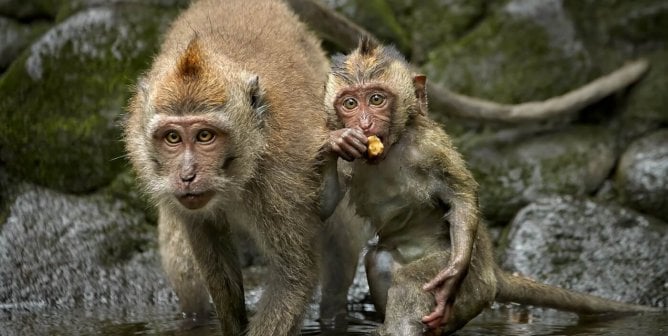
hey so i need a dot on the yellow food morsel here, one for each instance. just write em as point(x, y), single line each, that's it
point(375, 147)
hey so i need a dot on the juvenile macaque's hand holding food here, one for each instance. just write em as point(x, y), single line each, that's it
point(375, 147)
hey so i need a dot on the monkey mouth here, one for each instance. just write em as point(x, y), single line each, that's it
point(194, 201)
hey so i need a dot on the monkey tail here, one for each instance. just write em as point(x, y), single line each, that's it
point(522, 290)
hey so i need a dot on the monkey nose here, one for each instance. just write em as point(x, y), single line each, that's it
point(366, 125)
point(188, 177)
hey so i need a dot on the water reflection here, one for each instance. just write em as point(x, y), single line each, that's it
point(511, 321)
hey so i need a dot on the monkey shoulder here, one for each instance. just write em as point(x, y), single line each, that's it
point(438, 159)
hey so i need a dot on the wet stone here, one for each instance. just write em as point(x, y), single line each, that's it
point(642, 175)
point(71, 251)
point(605, 250)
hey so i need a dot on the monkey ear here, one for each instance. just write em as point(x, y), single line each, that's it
point(256, 95)
point(142, 86)
point(420, 85)
point(142, 89)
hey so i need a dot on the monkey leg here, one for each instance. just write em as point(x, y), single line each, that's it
point(216, 258)
point(342, 240)
point(379, 264)
point(407, 302)
point(179, 265)
point(291, 248)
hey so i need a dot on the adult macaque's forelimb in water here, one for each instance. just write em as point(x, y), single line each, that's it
point(224, 135)
point(422, 202)
point(333, 26)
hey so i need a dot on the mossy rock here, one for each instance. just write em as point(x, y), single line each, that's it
point(523, 51)
point(126, 188)
point(515, 172)
point(436, 22)
point(22, 9)
point(61, 9)
point(637, 22)
point(62, 99)
point(15, 37)
point(414, 26)
point(649, 98)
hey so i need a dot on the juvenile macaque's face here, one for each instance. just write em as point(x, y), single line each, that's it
point(368, 108)
point(190, 150)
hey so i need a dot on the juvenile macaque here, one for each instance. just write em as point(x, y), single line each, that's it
point(432, 269)
point(224, 131)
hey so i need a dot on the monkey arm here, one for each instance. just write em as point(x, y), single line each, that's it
point(463, 218)
point(331, 194)
point(347, 143)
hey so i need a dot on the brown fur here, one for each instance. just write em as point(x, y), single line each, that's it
point(422, 202)
point(217, 59)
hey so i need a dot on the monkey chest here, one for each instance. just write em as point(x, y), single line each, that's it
point(394, 198)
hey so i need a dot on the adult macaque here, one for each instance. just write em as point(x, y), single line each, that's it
point(225, 131)
point(432, 267)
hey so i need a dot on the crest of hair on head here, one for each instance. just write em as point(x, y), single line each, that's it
point(191, 63)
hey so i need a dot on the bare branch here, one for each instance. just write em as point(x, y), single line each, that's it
point(337, 29)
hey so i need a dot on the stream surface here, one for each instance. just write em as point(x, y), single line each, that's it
point(511, 321)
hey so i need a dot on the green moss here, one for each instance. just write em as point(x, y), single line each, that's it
point(125, 187)
point(64, 97)
point(415, 26)
point(649, 99)
point(637, 22)
point(510, 59)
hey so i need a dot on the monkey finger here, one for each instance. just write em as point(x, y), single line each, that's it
point(358, 134)
point(341, 153)
point(362, 148)
point(448, 275)
point(433, 320)
point(352, 151)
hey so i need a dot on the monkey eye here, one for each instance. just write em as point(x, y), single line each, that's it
point(205, 136)
point(350, 103)
point(376, 99)
point(172, 137)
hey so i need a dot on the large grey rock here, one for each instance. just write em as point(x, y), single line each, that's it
point(642, 175)
point(77, 251)
point(604, 250)
point(514, 172)
point(63, 99)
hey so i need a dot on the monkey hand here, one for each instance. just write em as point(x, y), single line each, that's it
point(444, 286)
point(348, 143)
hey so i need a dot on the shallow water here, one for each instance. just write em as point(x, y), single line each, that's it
point(512, 321)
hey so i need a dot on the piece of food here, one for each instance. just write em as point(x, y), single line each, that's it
point(375, 146)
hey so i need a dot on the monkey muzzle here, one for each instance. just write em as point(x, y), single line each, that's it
point(194, 201)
